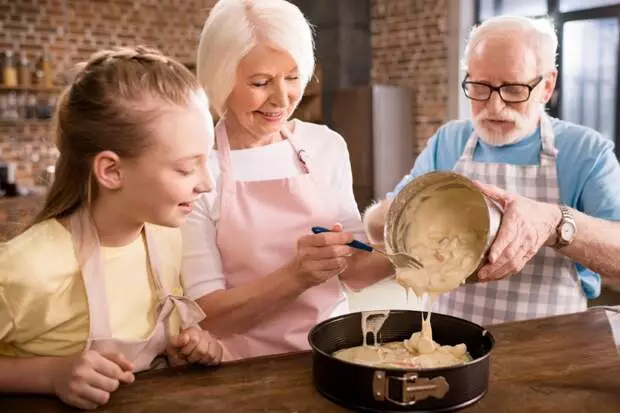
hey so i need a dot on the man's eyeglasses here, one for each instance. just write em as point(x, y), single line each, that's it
point(508, 92)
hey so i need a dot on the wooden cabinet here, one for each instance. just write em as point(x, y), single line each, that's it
point(310, 108)
point(376, 121)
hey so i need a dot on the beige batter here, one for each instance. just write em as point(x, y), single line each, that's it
point(419, 351)
point(446, 243)
point(449, 246)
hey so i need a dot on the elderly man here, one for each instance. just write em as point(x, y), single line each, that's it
point(559, 182)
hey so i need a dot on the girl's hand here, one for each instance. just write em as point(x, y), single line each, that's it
point(194, 345)
point(86, 380)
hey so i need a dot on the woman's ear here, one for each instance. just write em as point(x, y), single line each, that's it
point(107, 170)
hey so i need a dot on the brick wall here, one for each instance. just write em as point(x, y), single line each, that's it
point(73, 29)
point(409, 40)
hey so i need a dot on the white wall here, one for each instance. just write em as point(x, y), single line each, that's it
point(387, 294)
point(461, 15)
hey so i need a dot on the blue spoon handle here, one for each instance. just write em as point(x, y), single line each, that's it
point(353, 244)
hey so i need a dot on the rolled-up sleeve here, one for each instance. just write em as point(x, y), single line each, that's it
point(202, 271)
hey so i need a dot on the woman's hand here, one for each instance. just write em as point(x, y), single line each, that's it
point(321, 256)
point(86, 380)
point(194, 345)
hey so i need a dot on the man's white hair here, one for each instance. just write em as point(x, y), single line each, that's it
point(538, 34)
point(234, 27)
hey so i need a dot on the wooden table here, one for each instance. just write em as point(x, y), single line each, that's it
point(556, 365)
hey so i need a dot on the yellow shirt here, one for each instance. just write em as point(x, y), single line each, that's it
point(43, 306)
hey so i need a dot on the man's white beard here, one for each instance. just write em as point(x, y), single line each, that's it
point(524, 126)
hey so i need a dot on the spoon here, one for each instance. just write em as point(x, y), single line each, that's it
point(400, 259)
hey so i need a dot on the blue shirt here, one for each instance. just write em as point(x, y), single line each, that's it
point(588, 170)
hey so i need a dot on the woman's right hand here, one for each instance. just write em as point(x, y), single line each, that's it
point(87, 379)
point(321, 256)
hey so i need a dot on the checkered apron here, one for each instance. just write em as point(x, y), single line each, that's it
point(548, 284)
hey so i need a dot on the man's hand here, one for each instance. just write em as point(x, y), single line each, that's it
point(526, 227)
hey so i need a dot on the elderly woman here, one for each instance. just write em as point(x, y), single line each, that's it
point(251, 262)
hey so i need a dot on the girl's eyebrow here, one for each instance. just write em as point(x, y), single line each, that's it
point(189, 158)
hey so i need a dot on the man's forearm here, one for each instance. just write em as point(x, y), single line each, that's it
point(596, 245)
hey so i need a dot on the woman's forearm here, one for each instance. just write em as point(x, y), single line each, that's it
point(365, 269)
point(236, 310)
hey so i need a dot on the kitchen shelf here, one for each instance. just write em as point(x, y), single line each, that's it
point(33, 89)
point(25, 122)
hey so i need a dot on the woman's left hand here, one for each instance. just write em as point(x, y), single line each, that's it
point(526, 227)
point(194, 345)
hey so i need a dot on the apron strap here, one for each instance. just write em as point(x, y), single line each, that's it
point(293, 138)
point(470, 147)
point(88, 253)
point(224, 151)
point(153, 260)
point(548, 153)
point(189, 312)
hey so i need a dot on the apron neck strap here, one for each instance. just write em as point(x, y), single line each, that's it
point(153, 260)
point(224, 158)
point(88, 253)
point(547, 138)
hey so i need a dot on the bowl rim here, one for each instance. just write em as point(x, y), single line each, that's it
point(484, 331)
point(410, 190)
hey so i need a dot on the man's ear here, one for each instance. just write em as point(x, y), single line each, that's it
point(107, 170)
point(549, 85)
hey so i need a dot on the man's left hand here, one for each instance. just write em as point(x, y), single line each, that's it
point(526, 227)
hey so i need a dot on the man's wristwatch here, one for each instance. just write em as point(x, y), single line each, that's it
point(566, 229)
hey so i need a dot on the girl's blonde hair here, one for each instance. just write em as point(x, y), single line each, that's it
point(104, 109)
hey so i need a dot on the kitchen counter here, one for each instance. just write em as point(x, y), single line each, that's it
point(559, 364)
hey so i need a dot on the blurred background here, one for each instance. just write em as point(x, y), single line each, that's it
point(387, 77)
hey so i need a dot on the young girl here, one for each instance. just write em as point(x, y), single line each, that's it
point(91, 292)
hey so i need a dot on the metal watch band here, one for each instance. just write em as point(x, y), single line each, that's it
point(567, 216)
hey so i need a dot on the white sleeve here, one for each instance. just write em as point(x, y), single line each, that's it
point(348, 214)
point(202, 271)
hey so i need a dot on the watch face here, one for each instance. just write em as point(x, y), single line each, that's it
point(567, 231)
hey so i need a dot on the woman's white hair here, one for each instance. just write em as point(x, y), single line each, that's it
point(538, 34)
point(234, 27)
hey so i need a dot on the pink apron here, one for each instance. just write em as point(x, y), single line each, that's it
point(260, 223)
point(142, 353)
